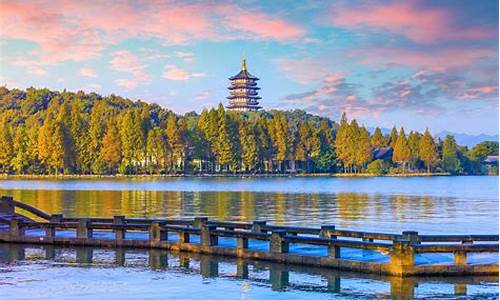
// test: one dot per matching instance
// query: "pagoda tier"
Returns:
(243, 91)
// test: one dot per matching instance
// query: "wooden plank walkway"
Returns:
(392, 254)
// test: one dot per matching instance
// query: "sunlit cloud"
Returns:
(126, 62)
(87, 72)
(63, 35)
(172, 72)
(411, 19)
(32, 66)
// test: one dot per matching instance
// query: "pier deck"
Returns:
(403, 255)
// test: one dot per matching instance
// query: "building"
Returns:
(243, 91)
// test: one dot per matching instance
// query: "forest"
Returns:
(54, 133)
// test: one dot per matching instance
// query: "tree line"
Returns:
(48, 132)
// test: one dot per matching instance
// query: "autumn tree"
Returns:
(111, 150)
(378, 140)
(402, 153)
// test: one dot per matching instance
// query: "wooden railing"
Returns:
(401, 249)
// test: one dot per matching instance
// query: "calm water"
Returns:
(428, 205)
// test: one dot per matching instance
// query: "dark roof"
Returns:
(382, 153)
(243, 74)
(243, 96)
(243, 86)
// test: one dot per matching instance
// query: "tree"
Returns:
(342, 142)
(450, 160)
(175, 137)
(427, 150)
(79, 129)
(402, 152)
(364, 149)
(7, 151)
(353, 136)
(282, 138)
(111, 151)
(413, 144)
(482, 150)
(250, 149)
(20, 161)
(97, 127)
(393, 137)
(377, 167)
(378, 140)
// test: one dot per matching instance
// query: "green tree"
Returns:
(414, 145)
(364, 151)
(451, 162)
(427, 151)
(250, 149)
(342, 142)
(20, 161)
(482, 150)
(377, 167)
(7, 151)
(225, 147)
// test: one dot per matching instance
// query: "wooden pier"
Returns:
(201, 235)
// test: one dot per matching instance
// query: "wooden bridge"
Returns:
(404, 255)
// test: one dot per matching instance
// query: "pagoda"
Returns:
(243, 94)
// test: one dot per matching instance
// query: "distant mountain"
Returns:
(468, 139)
(463, 139)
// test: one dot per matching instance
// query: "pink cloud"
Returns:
(124, 61)
(437, 60)
(263, 26)
(417, 23)
(87, 72)
(173, 72)
(31, 66)
(303, 71)
(478, 93)
(80, 30)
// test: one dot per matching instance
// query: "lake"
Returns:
(430, 205)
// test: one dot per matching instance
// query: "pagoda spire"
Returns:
(243, 62)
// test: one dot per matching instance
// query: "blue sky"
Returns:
(416, 64)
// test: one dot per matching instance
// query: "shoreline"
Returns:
(339, 175)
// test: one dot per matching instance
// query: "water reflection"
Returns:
(389, 213)
(249, 274)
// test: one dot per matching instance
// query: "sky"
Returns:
(417, 64)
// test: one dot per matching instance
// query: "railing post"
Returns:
(277, 244)
(6, 206)
(327, 231)
(183, 237)
(411, 236)
(156, 234)
(333, 250)
(120, 231)
(83, 230)
(50, 230)
(460, 258)
(206, 237)
(241, 243)
(15, 228)
(257, 226)
(199, 222)
(402, 257)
